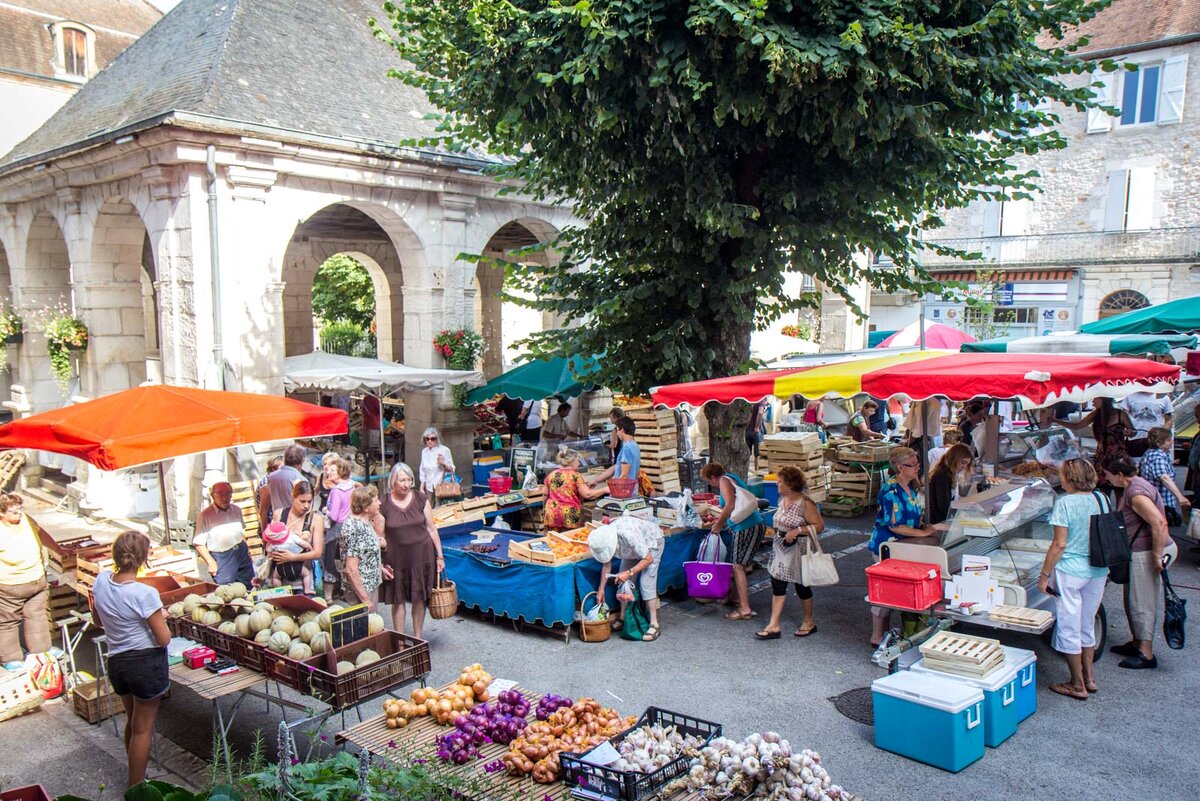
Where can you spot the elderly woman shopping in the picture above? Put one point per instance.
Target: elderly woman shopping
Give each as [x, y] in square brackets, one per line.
[744, 522]
[639, 545]
[565, 493]
[362, 568]
[436, 461]
[1079, 587]
[413, 550]
[23, 591]
[797, 522]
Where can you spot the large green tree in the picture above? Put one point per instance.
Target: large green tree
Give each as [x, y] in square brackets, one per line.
[715, 145]
[343, 292]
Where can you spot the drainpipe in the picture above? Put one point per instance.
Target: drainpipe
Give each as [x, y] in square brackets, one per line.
[215, 267]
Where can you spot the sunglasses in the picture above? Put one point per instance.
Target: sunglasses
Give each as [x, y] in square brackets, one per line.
[431, 439]
[911, 464]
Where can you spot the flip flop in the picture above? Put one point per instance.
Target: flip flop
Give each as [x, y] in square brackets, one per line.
[1065, 689]
[804, 632]
[736, 615]
[767, 635]
[1093, 688]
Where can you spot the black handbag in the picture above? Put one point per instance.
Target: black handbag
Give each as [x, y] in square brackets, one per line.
[1108, 541]
[1176, 614]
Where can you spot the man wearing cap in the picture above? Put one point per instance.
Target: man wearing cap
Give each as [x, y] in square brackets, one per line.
[221, 538]
[639, 544]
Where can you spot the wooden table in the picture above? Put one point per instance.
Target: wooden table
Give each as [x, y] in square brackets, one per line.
[212, 687]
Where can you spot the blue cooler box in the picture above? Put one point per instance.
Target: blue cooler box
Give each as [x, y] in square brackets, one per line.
[1025, 663]
[926, 718]
[999, 688]
[771, 492]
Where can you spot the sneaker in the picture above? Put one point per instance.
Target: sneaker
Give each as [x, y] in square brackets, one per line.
[1139, 662]
[56, 652]
[1128, 649]
[14, 666]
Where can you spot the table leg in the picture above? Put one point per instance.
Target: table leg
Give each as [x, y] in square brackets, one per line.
[223, 727]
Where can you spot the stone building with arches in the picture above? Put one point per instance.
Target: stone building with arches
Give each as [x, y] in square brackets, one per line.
[182, 201]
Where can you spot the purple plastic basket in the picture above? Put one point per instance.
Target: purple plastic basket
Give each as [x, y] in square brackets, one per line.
[708, 580]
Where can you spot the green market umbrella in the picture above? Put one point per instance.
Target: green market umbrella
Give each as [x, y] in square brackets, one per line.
[1134, 344]
[539, 379]
[1179, 316]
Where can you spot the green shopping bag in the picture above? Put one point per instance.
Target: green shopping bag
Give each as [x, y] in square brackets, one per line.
[635, 622]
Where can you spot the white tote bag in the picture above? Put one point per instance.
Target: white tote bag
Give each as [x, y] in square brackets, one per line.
[744, 504]
[816, 567]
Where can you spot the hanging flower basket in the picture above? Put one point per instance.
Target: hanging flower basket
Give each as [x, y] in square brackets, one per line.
[65, 334]
[461, 349]
[12, 329]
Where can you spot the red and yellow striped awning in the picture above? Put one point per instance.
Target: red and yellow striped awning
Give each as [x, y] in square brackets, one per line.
[1033, 379]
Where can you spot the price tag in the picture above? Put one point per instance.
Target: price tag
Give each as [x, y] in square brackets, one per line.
[500, 685]
[268, 593]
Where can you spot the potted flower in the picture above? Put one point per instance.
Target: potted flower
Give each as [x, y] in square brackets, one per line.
[461, 348]
[64, 333]
[12, 329]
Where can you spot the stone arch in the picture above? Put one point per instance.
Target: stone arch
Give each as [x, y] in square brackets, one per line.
[44, 282]
[348, 228]
[501, 324]
[116, 297]
[1121, 301]
[6, 302]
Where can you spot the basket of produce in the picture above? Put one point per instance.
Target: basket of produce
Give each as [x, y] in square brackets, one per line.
[597, 629]
[446, 705]
[571, 727]
[652, 755]
[622, 487]
[366, 668]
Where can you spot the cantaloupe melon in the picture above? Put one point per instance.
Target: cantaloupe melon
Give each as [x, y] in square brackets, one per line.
[280, 642]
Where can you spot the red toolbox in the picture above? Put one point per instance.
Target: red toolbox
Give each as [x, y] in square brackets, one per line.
[904, 585]
[199, 657]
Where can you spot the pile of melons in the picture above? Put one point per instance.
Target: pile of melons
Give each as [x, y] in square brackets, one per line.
[444, 706]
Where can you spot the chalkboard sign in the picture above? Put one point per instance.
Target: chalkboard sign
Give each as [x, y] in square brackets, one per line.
[523, 460]
[348, 625]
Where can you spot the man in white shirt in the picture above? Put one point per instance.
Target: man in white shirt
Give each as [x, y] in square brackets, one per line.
[1147, 411]
[221, 538]
[531, 421]
[556, 430]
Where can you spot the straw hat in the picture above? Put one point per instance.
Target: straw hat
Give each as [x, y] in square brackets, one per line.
[603, 543]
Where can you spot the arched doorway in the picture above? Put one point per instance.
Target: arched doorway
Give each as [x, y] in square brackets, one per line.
[342, 230]
[1121, 301]
[502, 324]
[344, 292]
[45, 288]
[117, 300]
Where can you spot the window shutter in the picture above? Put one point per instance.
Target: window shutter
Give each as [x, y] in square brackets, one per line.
[991, 218]
[1014, 221]
[1098, 120]
[1139, 203]
[1174, 76]
[1114, 208]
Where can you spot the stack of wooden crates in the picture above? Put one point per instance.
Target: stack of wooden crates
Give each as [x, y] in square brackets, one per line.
[802, 450]
[657, 436]
[857, 478]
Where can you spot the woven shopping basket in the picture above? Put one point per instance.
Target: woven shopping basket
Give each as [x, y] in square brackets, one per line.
[444, 601]
[592, 630]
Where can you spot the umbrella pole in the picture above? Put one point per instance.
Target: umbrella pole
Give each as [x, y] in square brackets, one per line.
[382, 447]
[162, 502]
[921, 324]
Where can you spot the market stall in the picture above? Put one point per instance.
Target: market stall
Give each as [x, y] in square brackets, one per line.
[1180, 316]
[1101, 344]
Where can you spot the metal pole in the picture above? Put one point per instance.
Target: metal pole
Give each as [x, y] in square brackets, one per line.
[215, 269]
[162, 502]
[921, 333]
[382, 448]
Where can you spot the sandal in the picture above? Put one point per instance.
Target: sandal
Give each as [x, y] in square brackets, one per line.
[736, 615]
[804, 632]
[651, 634]
[767, 635]
[1065, 689]
[617, 624]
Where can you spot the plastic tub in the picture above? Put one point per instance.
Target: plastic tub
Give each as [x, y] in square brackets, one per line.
[499, 484]
[904, 585]
[1025, 663]
[932, 721]
[999, 688]
[622, 487]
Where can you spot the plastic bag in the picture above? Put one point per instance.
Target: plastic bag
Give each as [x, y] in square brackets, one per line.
[712, 549]
[530, 482]
[689, 517]
[501, 524]
[46, 674]
[625, 592]
[596, 614]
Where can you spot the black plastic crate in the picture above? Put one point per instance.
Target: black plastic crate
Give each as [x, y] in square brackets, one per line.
[634, 786]
[689, 474]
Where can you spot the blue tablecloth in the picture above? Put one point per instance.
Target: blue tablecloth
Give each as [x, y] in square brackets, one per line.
[548, 595]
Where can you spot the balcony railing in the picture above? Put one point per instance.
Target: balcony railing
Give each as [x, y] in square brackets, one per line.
[1093, 247]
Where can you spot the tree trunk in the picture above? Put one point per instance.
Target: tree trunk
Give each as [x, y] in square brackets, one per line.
[727, 435]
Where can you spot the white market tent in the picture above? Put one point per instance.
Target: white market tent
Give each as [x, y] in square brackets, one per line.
[770, 346]
[334, 373]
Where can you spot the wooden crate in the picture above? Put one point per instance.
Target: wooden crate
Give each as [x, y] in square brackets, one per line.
[962, 654]
[95, 701]
[244, 499]
[484, 503]
[164, 558]
[63, 601]
[876, 453]
[61, 557]
[1021, 615]
[522, 550]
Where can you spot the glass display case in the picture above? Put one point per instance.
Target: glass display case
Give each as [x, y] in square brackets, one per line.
[1008, 524]
[593, 452]
[1037, 452]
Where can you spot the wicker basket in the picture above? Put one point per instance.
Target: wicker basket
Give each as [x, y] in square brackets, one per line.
[593, 630]
[444, 601]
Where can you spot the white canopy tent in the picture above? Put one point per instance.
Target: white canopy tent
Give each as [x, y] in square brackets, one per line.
[334, 373]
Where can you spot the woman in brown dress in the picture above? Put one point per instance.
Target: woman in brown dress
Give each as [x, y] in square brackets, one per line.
[413, 553]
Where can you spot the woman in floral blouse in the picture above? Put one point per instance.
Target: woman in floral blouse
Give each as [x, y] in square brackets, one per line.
[362, 571]
[565, 493]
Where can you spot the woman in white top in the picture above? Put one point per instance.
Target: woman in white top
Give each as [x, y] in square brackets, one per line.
[435, 460]
[136, 630]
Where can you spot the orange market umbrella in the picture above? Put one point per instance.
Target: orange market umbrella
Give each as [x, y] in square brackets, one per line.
[156, 422]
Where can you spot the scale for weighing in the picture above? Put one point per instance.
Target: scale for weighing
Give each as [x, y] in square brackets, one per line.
[615, 507]
[510, 499]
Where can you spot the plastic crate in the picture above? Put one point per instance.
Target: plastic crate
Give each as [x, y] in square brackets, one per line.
[31, 792]
[904, 585]
[224, 644]
[634, 786]
[249, 654]
[288, 672]
[18, 694]
[402, 659]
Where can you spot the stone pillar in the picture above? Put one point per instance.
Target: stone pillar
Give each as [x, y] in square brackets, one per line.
[422, 320]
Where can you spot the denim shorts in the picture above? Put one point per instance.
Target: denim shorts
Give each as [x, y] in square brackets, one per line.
[141, 673]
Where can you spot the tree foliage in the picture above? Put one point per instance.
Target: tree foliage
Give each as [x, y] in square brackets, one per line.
[714, 145]
[343, 292]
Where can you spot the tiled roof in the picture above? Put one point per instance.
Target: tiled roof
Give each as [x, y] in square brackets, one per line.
[294, 65]
[1127, 23]
[26, 44]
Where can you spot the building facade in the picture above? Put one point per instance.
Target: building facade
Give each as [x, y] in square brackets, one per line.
[1116, 224]
[183, 200]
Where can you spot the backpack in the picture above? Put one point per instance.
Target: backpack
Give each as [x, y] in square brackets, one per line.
[1108, 541]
